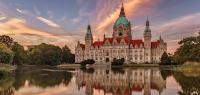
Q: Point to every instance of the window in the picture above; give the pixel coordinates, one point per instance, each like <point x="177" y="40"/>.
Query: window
<point x="107" y="54"/>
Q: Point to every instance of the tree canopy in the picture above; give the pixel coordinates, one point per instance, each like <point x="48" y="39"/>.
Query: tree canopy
<point x="67" y="56"/>
<point x="6" y="54"/>
<point x="165" y="59"/>
<point x="45" y="54"/>
<point x="19" y="53"/>
<point x="6" y="40"/>
<point x="189" y="50"/>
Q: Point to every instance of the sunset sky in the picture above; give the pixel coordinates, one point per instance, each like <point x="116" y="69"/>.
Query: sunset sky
<point x="64" y="22"/>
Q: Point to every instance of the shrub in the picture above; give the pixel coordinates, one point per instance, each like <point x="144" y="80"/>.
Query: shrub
<point x="88" y="61"/>
<point x="118" y="62"/>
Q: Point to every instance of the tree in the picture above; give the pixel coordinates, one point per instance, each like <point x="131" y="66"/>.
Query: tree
<point x="165" y="59"/>
<point x="189" y="50"/>
<point x="6" y="54"/>
<point x="19" y="53"/>
<point x="118" y="62"/>
<point x="6" y="40"/>
<point x="88" y="61"/>
<point x="67" y="56"/>
<point x="44" y="54"/>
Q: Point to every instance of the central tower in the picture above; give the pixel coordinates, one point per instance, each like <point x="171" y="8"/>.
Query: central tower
<point x="122" y="27"/>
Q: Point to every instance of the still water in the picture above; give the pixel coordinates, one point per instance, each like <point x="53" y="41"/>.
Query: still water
<point x="100" y="81"/>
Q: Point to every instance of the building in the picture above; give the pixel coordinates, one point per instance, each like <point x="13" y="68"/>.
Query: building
<point x="121" y="45"/>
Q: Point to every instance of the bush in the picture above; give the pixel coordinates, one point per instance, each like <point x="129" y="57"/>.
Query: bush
<point x="6" y="54"/>
<point x="89" y="61"/>
<point x="118" y="62"/>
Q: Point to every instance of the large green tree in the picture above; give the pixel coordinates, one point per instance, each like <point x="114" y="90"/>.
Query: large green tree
<point x="6" y="40"/>
<point x="67" y="56"/>
<point x="44" y="54"/>
<point x="165" y="59"/>
<point x="189" y="50"/>
<point x="6" y="54"/>
<point x="20" y="55"/>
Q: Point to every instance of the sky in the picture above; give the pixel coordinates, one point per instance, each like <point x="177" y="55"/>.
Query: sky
<point x="64" y="22"/>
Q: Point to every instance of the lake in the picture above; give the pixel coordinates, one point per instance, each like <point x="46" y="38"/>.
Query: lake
<point x="101" y="81"/>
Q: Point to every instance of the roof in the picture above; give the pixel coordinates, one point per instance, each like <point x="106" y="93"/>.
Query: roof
<point x="137" y="42"/>
<point x="98" y="43"/>
<point x="121" y="20"/>
<point x="118" y="39"/>
<point x="155" y="44"/>
<point x="82" y="46"/>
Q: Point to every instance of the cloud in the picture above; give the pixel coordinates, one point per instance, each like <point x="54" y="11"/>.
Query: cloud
<point x="2" y="18"/>
<point x="174" y="30"/>
<point x="19" y="10"/>
<point x="18" y="26"/>
<point x="26" y="35"/>
<point x="48" y="22"/>
<point x="107" y="12"/>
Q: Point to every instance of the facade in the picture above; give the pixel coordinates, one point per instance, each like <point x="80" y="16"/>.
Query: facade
<point x="121" y="45"/>
<point x="125" y="82"/>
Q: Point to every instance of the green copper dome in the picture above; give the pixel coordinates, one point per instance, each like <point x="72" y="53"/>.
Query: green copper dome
<point x="147" y="29"/>
<point x="121" y="20"/>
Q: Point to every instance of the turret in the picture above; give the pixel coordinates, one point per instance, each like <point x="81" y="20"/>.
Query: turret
<point x="161" y="40"/>
<point x="88" y="37"/>
<point x="147" y="42"/>
<point x="147" y="35"/>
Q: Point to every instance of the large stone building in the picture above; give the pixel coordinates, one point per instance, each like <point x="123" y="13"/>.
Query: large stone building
<point x="121" y="45"/>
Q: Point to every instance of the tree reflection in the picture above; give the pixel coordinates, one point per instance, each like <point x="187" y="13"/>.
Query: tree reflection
<point x="190" y="84"/>
<point x="33" y="77"/>
<point x="6" y="85"/>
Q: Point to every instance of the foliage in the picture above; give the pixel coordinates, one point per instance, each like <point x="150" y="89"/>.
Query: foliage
<point x="189" y="50"/>
<point x="165" y="59"/>
<point x="189" y="84"/>
<point x="67" y="56"/>
<point x="118" y="62"/>
<point x="12" y="52"/>
<point x="88" y="61"/>
<point x="6" y="54"/>
<point x="6" y="40"/>
<point x="44" y="54"/>
<point x="20" y="54"/>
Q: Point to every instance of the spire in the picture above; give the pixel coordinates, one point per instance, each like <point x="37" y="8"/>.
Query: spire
<point x="147" y="28"/>
<point x="147" y="22"/>
<point x="88" y="33"/>
<point x="122" y="13"/>
<point x="160" y="38"/>
<point x="89" y="30"/>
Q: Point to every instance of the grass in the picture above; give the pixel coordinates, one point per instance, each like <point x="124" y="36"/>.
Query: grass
<point x="7" y="68"/>
<point x="69" y="66"/>
<point x="140" y="65"/>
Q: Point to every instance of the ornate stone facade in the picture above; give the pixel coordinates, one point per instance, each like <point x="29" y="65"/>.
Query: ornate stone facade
<point x="121" y="45"/>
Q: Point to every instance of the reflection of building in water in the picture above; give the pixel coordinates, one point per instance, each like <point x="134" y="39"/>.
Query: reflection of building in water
<point x="121" y="83"/>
